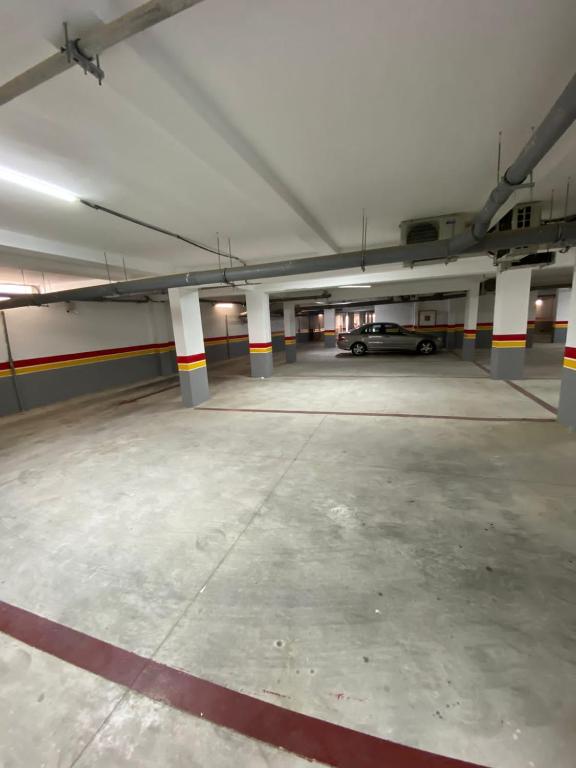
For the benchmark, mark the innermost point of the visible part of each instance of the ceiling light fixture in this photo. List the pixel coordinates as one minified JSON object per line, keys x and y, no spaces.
{"x":17,"y":288}
{"x":538,"y":302}
{"x":37,"y":185}
{"x":354,"y":286}
{"x":224,"y":305}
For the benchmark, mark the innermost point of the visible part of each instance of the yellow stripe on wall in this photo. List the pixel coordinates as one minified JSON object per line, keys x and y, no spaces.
{"x":508,"y":344}
{"x":570,"y":362}
{"x":261,"y":350}
{"x":192,"y":366}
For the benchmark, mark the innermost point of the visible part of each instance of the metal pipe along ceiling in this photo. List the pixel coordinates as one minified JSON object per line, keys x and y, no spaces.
{"x":94,"y":42}
{"x":555,"y":124}
{"x":557,"y":234}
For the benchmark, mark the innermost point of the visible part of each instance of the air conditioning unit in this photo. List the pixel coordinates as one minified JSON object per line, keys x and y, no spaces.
{"x":434,"y":228}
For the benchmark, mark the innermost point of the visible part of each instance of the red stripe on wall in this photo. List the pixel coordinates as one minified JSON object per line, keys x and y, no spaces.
{"x":508,"y":337}
{"x":87,"y":355}
{"x":260,"y":344}
{"x":469,"y":330}
{"x":289,"y":338}
{"x":310,"y":737}
{"x":570,"y":352}
{"x":4,"y":366}
{"x":190,"y":358}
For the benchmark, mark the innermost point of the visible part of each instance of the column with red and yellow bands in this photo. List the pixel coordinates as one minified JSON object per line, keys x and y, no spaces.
{"x":567,"y":403}
{"x":190,"y":351}
{"x":329,"y":327}
{"x":507,"y":358}
{"x":560,"y":331}
{"x":468,"y":343}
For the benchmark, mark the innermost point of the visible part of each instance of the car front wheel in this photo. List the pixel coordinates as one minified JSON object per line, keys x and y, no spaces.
{"x":426,"y":347}
{"x":358,"y":349}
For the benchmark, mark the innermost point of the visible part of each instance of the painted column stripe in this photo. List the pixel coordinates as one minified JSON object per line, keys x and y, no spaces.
{"x":329,"y":333}
{"x":509,"y":340}
{"x":300,"y":734}
{"x":570,"y":358}
{"x":561,"y":324}
{"x":191,"y":362}
{"x":469,"y":333}
{"x":260,"y":348}
{"x":289,"y":339}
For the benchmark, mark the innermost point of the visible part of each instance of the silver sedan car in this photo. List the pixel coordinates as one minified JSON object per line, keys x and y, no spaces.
{"x":377,"y":337}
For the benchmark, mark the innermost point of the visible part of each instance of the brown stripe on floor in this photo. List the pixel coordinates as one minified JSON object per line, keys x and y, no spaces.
{"x":301,"y":734}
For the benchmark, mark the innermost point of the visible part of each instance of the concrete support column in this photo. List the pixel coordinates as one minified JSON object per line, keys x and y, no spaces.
{"x":561,"y":321}
{"x":329,"y":327}
{"x":470,"y":322}
{"x":259,"y":334}
{"x":567,"y":404}
{"x":189,"y":338}
{"x":289,"y":308}
{"x":531,"y":318}
{"x":450,"y":325}
{"x":510,"y":323}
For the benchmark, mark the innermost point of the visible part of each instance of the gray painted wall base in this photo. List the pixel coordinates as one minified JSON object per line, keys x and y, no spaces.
{"x":167,"y":365}
{"x":458,"y":339}
{"x":450,"y":340}
{"x":468,"y":349}
{"x":567,"y":404}
{"x":507,"y":363}
{"x":329,"y":341}
{"x":261,"y":365}
{"x":47,"y":387}
{"x":559,"y":336}
{"x":530,"y":338}
{"x":194,"y":387}
{"x":8,"y":401}
{"x":483,"y":339}
{"x":290,"y":353}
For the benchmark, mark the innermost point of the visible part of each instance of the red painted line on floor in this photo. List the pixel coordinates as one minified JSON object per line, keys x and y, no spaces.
{"x":525,"y":392}
{"x":309,"y":737}
{"x":529,"y":395}
{"x":369,"y":413}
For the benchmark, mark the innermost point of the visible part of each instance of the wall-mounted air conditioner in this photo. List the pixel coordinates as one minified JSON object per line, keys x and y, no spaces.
{"x":434,"y":228}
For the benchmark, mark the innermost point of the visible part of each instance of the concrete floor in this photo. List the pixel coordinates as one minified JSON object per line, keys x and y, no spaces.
{"x":408,"y":577}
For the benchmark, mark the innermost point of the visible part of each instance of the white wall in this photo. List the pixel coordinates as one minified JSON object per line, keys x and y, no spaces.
{"x":90,"y":326}
{"x":486,"y":308}
{"x":403,"y":314}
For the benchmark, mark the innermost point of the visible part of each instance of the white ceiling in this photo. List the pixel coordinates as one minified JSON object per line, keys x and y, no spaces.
{"x":274,"y":123}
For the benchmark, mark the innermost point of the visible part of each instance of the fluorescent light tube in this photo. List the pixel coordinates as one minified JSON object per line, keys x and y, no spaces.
{"x":37,"y":185}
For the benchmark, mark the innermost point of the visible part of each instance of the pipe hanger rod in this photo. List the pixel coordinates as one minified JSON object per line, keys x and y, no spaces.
{"x":94,"y":42}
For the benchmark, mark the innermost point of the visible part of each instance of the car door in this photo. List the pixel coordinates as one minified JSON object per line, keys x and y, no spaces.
{"x":373,"y":336}
{"x":393,"y":338}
